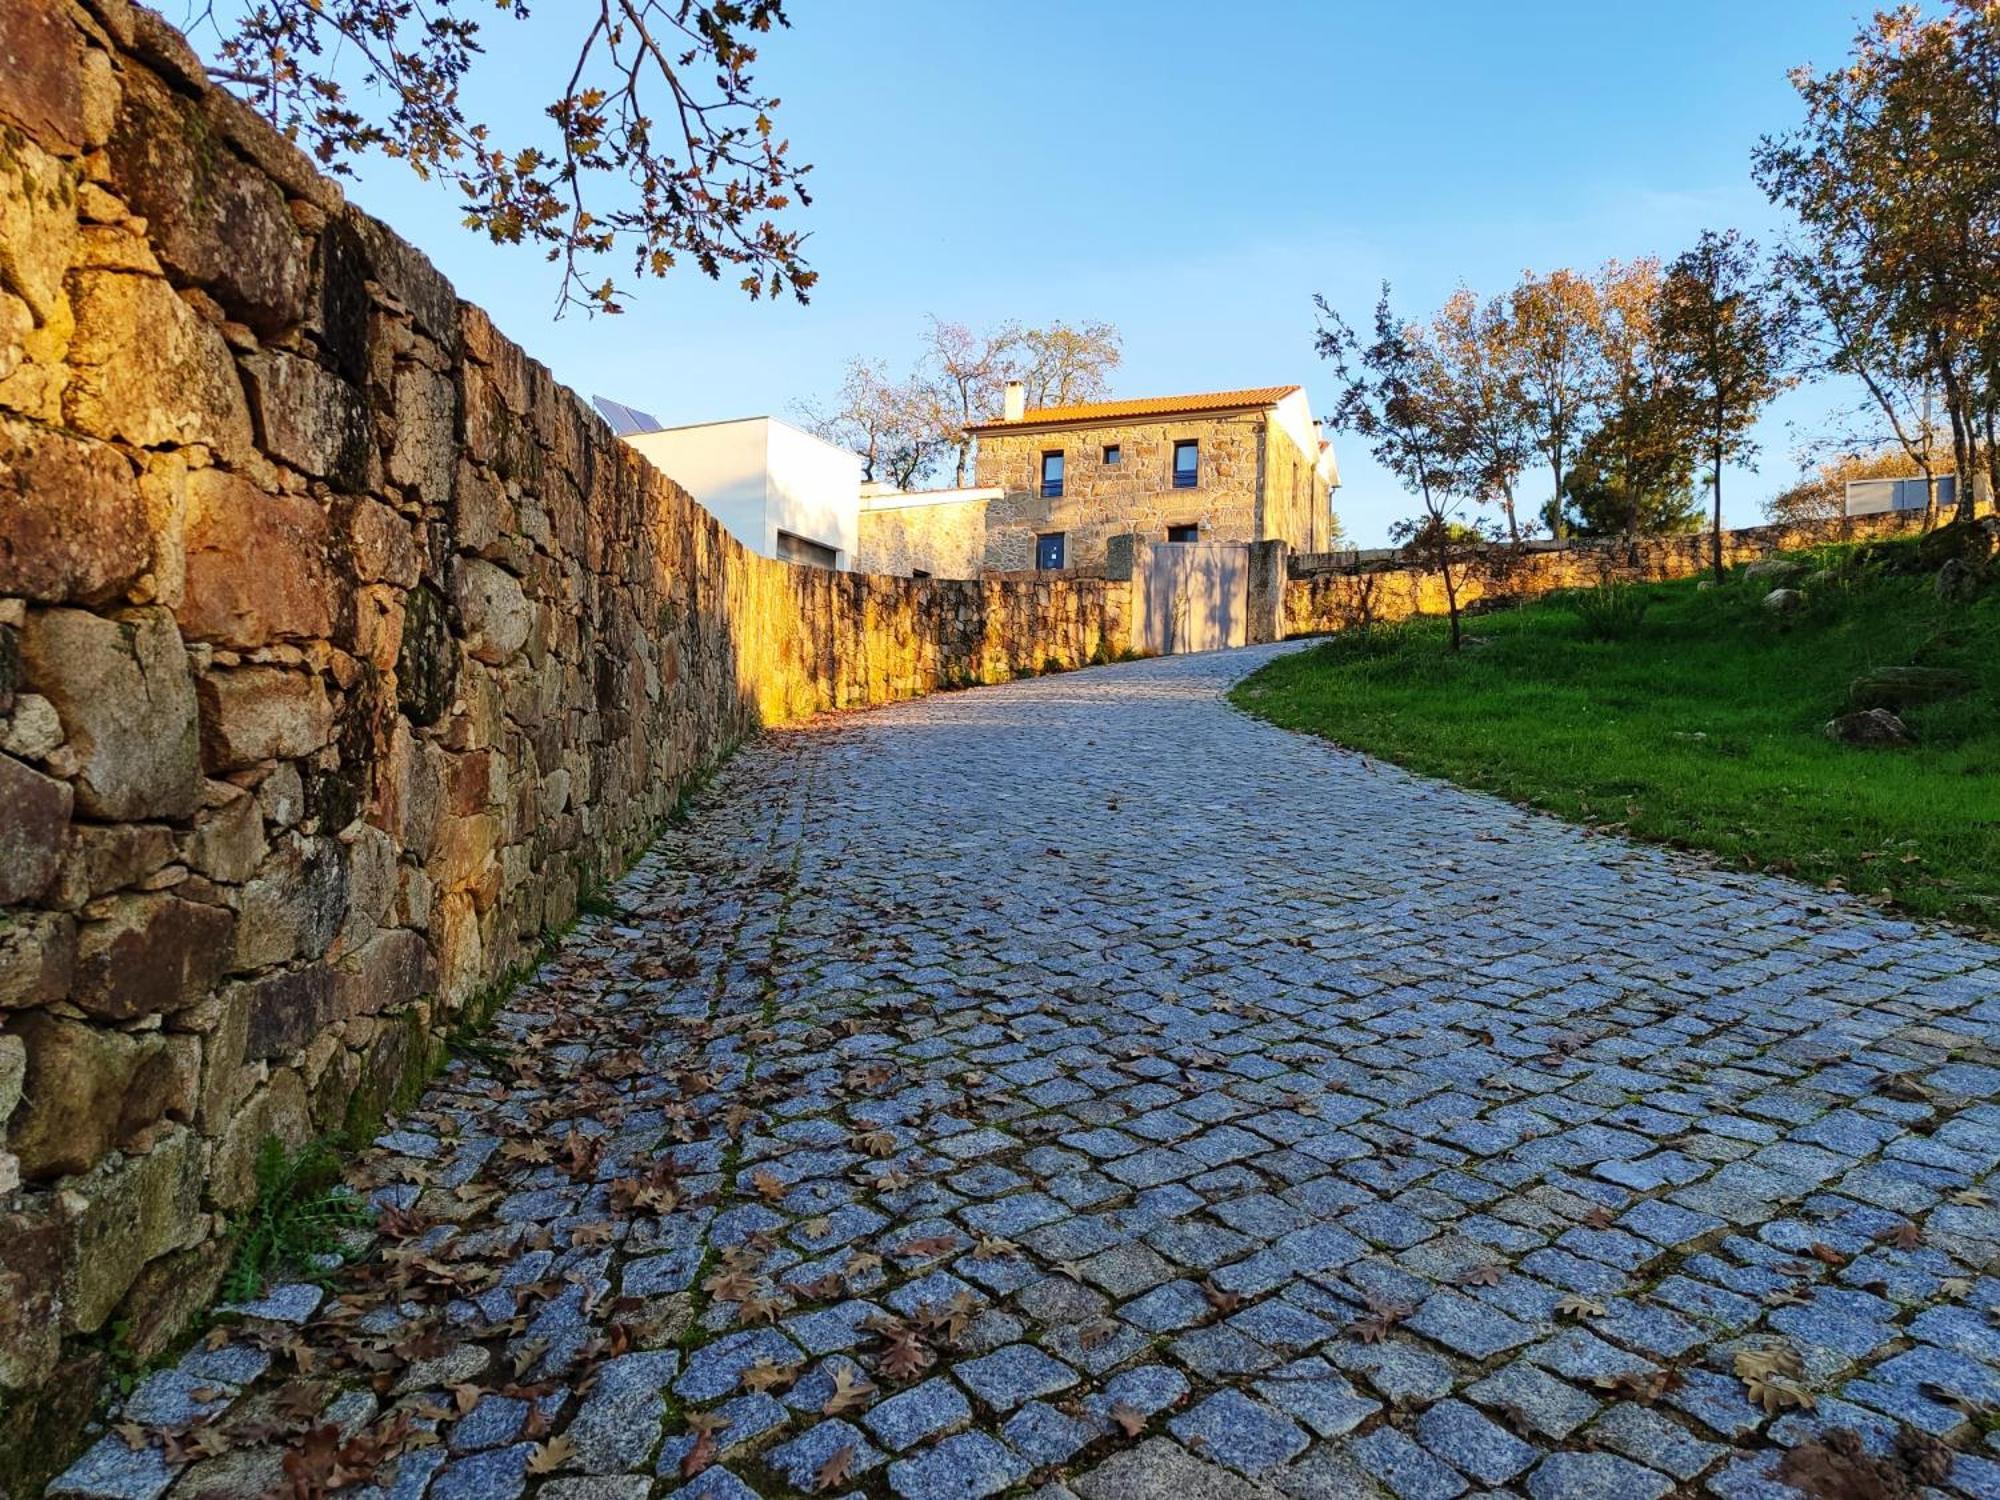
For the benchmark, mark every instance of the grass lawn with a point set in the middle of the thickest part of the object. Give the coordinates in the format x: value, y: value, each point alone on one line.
x: 1702, y: 728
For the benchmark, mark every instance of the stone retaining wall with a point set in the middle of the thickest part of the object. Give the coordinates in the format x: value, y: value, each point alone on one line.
x: 341, y: 649
x: 1327, y: 592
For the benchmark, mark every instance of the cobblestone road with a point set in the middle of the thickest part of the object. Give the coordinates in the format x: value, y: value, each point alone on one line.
x: 1078, y: 1083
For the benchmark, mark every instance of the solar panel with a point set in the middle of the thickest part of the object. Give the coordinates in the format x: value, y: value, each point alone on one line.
x: 625, y: 420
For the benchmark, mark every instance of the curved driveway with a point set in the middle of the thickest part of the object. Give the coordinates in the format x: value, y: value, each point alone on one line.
x: 1078, y: 1082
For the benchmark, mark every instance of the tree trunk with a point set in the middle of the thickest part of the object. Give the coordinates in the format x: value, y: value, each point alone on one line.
x: 1513, y: 525
x: 1715, y: 537
x: 1558, y: 522
x: 1930, y: 498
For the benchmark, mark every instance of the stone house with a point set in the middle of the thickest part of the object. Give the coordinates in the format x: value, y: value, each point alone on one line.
x: 1225, y: 466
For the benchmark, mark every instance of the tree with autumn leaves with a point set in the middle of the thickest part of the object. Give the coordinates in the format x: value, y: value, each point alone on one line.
x: 1894, y: 180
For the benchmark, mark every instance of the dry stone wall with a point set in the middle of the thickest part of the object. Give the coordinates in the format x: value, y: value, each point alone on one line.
x: 1325, y: 592
x: 340, y: 650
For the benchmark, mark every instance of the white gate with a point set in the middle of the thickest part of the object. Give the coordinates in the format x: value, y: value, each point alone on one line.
x: 1193, y: 596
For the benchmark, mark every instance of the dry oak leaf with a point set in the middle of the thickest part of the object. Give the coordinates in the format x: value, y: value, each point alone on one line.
x: 850, y: 1390
x: 1221, y: 1300
x: 877, y: 1143
x: 1127, y: 1418
x: 1483, y: 1276
x: 993, y: 1247
x: 768, y: 1187
x: 1904, y: 1236
x: 767, y: 1375
x: 1826, y: 1254
x: 833, y: 1473
x: 1383, y: 1314
x: 1970, y: 1198
x: 550, y: 1456
x: 1576, y: 1305
x: 1771, y: 1374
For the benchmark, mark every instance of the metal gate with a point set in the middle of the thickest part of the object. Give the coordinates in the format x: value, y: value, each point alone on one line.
x: 1193, y: 596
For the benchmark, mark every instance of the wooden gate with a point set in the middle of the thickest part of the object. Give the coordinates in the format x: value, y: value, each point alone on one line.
x: 1193, y: 596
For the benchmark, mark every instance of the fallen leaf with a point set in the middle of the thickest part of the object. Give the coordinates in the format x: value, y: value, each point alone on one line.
x: 550, y: 1456
x: 1483, y: 1276
x: 1128, y: 1419
x: 850, y: 1390
x: 1576, y: 1305
x: 833, y: 1473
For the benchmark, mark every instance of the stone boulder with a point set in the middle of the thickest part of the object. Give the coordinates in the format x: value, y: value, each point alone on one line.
x: 1775, y: 572
x: 151, y: 954
x: 125, y: 695
x: 211, y: 218
x: 1872, y: 728
x: 1901, y: 687
x: 1958, y: 541
x: 310, y: 418
x: 259, y: 567
x: 294, y: 905
x: 1959, y: 581
x: 34, y: 828
x: 37, y: 957
x: 75, y: 527
x: 251, y: 714
x: 495, y: 612
x: 89, y: 1090
x: 1784, y: 602
x: 125, y: 1214
x: 146, y: 369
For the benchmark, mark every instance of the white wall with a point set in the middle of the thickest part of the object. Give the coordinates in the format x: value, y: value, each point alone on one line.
x: 759, y: 476
x: 722, y: 465
x: 815, y: 490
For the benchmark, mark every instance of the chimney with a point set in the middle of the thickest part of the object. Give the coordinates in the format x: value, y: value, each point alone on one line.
x: 1017, y: 401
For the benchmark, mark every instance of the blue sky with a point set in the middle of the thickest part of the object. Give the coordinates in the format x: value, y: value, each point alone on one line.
x: 1192, y: 172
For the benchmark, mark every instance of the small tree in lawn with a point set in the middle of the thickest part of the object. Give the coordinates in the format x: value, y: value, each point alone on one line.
x: 1387, y: 397
x: 1728, y: 334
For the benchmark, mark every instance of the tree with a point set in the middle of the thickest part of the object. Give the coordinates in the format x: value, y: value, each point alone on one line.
x: 1895, y: 179
x: 1555, y: 324
x: 1634, y: 476
x: 1729, y: 335
x: 964, y: 378
x: 661, y: 142
x: 884, y: 421
x: 1822, y: 494
x: 1066, y: 364
x: 1846, y: 325
x: 1478, y: 371
x: 1385, y: 395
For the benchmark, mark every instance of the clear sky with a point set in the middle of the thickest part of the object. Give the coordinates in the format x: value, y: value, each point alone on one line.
x: 1189, y: 170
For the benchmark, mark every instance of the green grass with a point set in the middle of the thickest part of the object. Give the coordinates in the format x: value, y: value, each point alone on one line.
x: 1701, y: 725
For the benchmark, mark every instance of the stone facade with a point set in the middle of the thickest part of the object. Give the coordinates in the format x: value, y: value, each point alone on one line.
x: 341, y: 649
x: 907, y: 535
x: 1256, y: 481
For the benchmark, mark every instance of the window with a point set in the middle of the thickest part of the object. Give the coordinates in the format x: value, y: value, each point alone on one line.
x: 1113, y: 455
x: 796, y: 549
x: 1049, y: 552
x: 1187, y: 463
x: 1052, y: 476
x: 1188, y: 533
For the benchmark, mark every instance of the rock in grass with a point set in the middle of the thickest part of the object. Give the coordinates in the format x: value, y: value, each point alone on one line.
x: 1959, y: 581
x: 1775, y: 571
x: 1873, y: 728
x: 1900, y: 687
x: 1784, y: 601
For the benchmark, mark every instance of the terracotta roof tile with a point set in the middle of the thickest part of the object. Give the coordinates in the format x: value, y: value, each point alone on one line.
x: 1148, y: 406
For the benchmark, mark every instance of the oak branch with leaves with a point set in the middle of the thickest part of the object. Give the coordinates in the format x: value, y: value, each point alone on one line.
x: 661, y: 144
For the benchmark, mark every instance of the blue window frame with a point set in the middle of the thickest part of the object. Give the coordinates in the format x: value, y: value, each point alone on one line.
x: 1113, y: 455
x: 1049, y: 552
x: 1052, y: 475
x: 1187, y: 463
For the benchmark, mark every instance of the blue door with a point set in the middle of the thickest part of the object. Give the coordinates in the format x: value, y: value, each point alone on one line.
x: 1049, y: 551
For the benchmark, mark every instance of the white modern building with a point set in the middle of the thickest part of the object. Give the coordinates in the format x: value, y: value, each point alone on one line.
x: 778, y: 490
